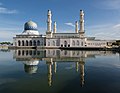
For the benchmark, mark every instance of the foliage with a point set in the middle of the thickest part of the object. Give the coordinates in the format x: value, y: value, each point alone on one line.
x: 116, y: 43
x: 8, y: 43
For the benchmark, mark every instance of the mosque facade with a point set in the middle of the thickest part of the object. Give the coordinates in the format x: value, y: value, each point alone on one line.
x: 31, y: 38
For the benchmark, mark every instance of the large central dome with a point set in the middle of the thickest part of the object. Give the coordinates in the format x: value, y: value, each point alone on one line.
x: 30, y: 25
x: 30, y: 28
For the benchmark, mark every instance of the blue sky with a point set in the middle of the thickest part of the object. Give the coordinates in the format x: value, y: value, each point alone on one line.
x: 102, y: 17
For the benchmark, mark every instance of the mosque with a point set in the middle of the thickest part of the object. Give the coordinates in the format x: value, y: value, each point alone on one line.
x: 30, y: 37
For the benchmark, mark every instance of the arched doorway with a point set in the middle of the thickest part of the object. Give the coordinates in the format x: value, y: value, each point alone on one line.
x: 26, y: 43
x: 30, y: 43
x: 65, y: 43
x: 19, y: 43
x: 23, y: 44
x: 78, y: 43
x: 73, y: 43
x: 53, y: 43
x: 38, y: 43
x: 34, y: 43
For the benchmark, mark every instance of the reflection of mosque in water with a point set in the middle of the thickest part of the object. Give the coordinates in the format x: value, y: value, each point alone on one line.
x: 31, y: 59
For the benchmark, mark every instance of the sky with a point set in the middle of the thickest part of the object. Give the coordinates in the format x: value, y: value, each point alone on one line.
x: 102, y: 17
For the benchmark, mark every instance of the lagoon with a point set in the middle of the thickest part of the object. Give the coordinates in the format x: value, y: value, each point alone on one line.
x: 59, y: 71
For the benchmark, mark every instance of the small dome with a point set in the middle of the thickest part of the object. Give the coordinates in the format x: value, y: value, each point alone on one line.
x: 30, y: 25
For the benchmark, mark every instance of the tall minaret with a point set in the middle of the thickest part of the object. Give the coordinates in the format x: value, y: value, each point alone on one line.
x: 81, y: 23
x: 54, y: 29
x: 49, y: 21
x: 76, y: 27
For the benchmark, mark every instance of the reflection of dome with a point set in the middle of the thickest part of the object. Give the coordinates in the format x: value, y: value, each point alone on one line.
x: 30, y: 28
x: 30, y: 69
x: 30, y: 25
x: 31, y: 66
x: 31, y: 63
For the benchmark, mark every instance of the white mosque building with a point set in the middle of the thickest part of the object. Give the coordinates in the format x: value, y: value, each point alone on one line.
x: 30, y: 37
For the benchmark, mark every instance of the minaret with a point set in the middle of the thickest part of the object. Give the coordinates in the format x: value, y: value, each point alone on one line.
x: 49, y: 21
x: 54, y: 29
x: 76, y: 27
x: 81, y: 23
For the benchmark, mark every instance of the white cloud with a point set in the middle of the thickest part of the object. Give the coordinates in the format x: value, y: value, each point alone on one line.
x: 117, y: 26
x: 70, y: 24
x: 0, y: 3
x: 7, y: 35
x: 108, y: 4
x: 4, y: 10
x: 105, y: 31
x: 112, y: 4
x: 7, y: 11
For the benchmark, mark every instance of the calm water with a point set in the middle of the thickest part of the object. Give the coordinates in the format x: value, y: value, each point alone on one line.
x: 59, y: 71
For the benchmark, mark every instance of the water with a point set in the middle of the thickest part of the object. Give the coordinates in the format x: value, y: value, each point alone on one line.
x: 59, y: 71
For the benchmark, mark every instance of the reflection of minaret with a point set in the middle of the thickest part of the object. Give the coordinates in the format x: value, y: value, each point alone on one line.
x: 77, y: 66
x: 55, y: 67
x: 49, y: 73
x: 82, y: 73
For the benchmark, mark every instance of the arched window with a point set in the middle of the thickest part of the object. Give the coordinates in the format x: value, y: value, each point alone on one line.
x: 30, y: 43
x: 19, y: 43
x: 38, y: 43
x: 34, y: 43
x: 23, y: 44
x: 78, y: 43
x: 73, y: 43
x: 26, y: 43
x: 53, y: 43
x: 48, y: 43
x: 81, y: 43
x: 65, y: 43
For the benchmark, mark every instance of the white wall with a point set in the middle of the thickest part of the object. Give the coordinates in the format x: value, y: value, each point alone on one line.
x: 96, y: 43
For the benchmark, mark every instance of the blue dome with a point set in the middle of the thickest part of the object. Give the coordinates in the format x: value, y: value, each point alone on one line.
x: 30, y: 25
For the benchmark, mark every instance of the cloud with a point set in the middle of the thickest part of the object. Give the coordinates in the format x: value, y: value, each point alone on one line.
x: 7, y: 35
x: 117, y: 26
x: 107, y: 31
x: 70, y: 24
x: 112, y: 4
x: 7, y: 11
x: 108, y: 4
x: 0, y: 3
x: 4, y: 10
